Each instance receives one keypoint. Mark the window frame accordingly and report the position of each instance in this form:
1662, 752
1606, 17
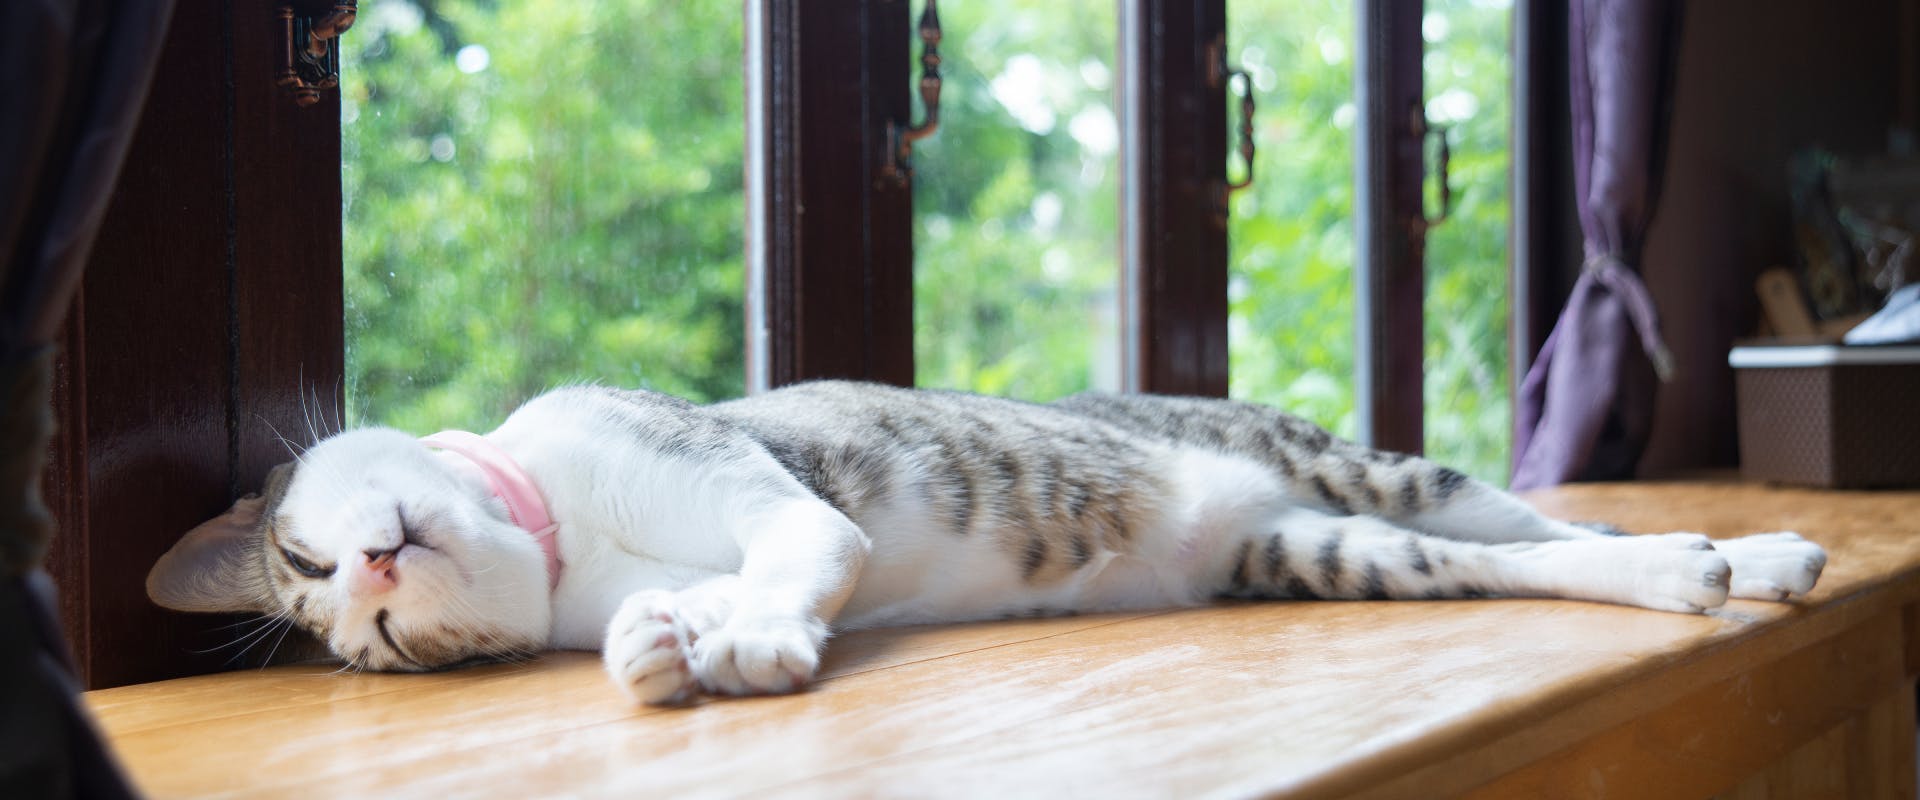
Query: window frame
829, 242
212, 306
1173, 133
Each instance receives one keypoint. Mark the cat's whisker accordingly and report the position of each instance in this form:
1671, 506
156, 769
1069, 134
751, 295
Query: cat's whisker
248, 621
255, 638
264, 623
306, 414
284, 630
295, 451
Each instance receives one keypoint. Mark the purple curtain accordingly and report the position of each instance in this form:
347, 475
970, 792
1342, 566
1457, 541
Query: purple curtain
1586, 405
73, 79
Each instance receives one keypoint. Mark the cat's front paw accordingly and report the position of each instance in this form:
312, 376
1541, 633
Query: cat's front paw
1773, 566
647, 647
768, 655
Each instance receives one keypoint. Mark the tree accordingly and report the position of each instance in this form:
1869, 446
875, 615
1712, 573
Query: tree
548, 191
537, 195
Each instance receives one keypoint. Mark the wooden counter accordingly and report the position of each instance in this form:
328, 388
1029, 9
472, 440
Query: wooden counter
1498, 698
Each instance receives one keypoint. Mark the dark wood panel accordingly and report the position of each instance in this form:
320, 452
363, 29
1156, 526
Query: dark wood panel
1389, 227
831, 281
1174, 240
146, 372
287, 291
210, 299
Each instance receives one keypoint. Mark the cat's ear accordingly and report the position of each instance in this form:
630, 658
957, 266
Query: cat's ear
215, 567
278, 479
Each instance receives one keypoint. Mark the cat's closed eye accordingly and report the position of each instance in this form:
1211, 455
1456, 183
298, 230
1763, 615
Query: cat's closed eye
304, 566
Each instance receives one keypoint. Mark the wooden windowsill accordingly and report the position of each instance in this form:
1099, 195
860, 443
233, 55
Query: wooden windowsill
1510, 697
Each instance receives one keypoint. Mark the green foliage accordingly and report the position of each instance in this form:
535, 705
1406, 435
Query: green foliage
570, 212
1291, 329
1015, 201
1290, 332
1469, 411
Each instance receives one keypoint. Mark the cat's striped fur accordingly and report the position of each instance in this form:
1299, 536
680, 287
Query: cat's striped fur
714, 547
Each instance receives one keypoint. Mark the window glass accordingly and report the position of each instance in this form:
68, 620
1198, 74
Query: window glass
1468, 409
1291, 283
539, 193
1016, 262
1290, 330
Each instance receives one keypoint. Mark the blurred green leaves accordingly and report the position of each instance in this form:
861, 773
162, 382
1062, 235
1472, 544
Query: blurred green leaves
1291, 329
549, 191
540, 192
1016, 231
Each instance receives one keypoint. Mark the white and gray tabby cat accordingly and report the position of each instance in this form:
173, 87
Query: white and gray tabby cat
715, 548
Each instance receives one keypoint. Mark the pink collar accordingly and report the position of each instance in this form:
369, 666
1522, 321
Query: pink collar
509, 483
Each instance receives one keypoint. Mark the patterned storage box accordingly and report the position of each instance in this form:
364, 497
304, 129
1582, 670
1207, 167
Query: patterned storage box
1829, 415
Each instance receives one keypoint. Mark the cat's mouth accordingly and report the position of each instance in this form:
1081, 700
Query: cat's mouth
386, 636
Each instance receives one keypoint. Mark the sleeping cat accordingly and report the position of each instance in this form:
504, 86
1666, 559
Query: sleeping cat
714, 548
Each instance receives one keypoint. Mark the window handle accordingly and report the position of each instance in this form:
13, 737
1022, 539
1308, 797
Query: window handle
1222, 74
898, 168
310, 51
1421, 128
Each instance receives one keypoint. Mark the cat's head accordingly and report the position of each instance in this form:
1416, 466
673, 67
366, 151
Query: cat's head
392, 554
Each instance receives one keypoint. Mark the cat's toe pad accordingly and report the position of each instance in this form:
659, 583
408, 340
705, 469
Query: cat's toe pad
1773, 566
1691, 582
759, 656
646, 650
1680, 572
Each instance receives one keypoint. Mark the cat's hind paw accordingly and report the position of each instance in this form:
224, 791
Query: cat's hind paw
1680, 572
759, 656
1773, 566
646, 651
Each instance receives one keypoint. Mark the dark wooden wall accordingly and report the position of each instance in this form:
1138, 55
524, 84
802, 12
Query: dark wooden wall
212, 293
1757, 82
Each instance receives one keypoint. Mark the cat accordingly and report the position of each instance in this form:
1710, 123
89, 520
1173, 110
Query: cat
715, 548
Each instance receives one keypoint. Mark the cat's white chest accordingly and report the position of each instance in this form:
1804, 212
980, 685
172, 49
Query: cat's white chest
629, 521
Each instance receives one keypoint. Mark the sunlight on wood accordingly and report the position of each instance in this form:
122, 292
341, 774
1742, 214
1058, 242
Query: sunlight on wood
1503, 698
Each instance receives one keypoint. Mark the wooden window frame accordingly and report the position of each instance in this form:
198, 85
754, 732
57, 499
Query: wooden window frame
829, 240
1173, 283
1389, 227
212, 307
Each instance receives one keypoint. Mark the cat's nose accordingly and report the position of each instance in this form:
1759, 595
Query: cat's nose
375, 575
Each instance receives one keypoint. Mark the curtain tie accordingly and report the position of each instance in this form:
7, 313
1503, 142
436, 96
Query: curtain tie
1610, 271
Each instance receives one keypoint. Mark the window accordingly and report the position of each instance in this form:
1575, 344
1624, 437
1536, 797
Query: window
540, 195
1016, 262
1469, 409
619, 254
1292, 325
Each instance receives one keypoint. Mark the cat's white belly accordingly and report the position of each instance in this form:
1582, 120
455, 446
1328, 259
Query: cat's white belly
915, 577
918, 575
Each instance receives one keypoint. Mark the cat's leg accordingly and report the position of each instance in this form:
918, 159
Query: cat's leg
1446, 503
758, 631
1306, 554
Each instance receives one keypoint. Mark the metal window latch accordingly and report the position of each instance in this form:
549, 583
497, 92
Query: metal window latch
1221, 74
897, 169
1420, 128
310, 52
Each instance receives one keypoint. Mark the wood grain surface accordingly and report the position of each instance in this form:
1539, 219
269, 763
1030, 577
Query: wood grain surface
1500, 698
